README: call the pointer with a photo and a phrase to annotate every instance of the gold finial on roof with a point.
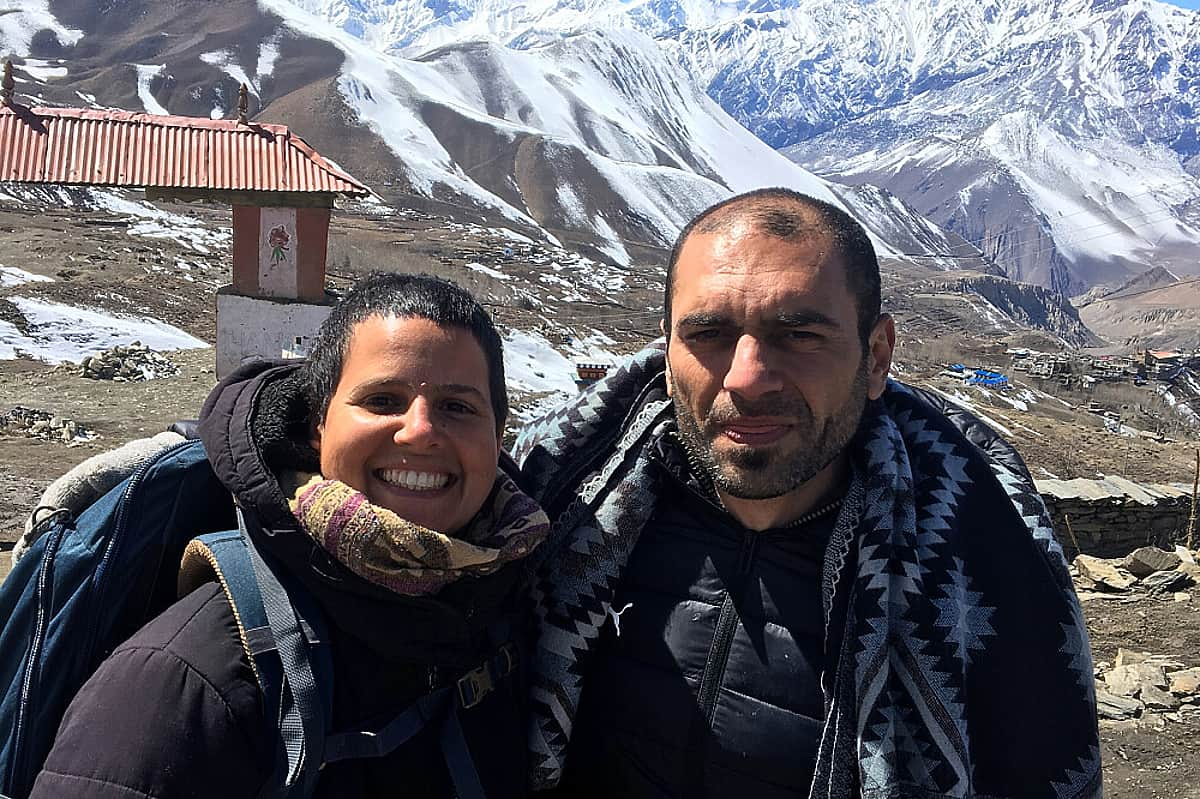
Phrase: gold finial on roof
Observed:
(7, 84)
(243, 104)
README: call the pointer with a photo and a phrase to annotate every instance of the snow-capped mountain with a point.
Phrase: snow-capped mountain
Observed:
(600, 138)
(1061, 136)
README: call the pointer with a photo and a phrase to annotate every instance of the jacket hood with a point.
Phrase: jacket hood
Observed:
(256, 424)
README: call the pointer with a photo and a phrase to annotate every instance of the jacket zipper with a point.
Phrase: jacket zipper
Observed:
(114, 544)
(37, 639)
(718, 652)
(715, 665)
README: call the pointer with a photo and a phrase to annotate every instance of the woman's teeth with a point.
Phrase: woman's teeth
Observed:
(414, 481)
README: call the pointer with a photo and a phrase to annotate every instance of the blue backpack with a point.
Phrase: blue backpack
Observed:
(88, 584)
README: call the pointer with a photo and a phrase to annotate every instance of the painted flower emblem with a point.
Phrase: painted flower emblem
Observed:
(278, 238)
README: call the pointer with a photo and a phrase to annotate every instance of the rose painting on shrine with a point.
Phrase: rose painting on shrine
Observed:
(277, 246)
(278, 239)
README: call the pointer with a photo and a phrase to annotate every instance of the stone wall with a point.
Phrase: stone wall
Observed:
(1114, 527)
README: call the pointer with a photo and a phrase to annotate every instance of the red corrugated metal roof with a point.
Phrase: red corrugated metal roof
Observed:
(121, 148)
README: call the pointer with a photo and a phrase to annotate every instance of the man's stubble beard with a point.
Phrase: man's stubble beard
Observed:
(768, 472)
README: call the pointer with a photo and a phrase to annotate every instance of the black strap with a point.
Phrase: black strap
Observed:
(382, 742)
(302, 717)
(302, 713)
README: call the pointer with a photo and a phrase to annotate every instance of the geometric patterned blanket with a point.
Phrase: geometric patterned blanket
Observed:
(963, 668)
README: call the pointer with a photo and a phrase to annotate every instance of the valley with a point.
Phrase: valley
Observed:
(130, 262)
(1029, 174)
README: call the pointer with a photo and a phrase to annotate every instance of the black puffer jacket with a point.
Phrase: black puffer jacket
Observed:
(712, 685)
(176, 711)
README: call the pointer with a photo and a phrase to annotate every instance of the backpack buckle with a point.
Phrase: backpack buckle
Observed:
(475, 685)
(479, 682)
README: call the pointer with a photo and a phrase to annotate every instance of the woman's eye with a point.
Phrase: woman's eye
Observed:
(459, 407)
(384, 403)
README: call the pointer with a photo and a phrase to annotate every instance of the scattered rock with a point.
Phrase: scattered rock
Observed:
(1155, 698)
(1103, 573)
(1127, 657)
(1116, 707)
(1185, 681)
(1185, 554)
(126, 364)
(1130, 680)
(35, 423)
(1145, 561)
(1166, 582)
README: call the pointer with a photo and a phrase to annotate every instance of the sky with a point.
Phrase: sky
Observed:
(1192, 4)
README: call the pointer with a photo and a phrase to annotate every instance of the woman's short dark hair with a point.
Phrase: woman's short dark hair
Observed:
(403, 296)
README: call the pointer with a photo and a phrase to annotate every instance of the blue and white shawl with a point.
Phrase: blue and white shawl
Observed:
(964, 669)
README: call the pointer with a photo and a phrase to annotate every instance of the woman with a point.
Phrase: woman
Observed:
(371, 473)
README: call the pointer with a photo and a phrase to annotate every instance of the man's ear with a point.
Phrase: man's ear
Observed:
(881, 346)
(662, 326)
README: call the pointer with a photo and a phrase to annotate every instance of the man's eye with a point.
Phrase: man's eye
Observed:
(801, 335)
(707, 334)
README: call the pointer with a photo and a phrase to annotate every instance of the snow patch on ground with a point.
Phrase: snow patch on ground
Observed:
(65, 334)
(10, 276)
(223, 60)
(41, 70)
(964, 402)
(155, 223)
(146, 73)
(487, 270)
(268, 54)
(19, 24)
(532, 364)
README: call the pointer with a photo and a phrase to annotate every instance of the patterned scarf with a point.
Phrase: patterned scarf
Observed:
(964, 669)
(406, 558)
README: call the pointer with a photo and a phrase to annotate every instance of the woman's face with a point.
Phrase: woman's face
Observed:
(410, 424)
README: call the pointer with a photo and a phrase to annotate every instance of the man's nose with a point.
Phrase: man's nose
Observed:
(417, 425)
(750, 372)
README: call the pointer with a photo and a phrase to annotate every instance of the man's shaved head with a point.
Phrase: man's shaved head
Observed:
(793, 216)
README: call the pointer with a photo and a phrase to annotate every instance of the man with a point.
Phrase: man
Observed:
(774, 572)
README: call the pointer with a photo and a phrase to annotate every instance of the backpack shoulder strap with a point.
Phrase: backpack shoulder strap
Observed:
(283, 635)
(292, 665)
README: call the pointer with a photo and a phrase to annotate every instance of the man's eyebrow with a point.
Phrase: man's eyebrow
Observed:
(703, 319)
(805, 318)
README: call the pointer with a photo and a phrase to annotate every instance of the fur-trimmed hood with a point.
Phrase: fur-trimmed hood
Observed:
(255, 425)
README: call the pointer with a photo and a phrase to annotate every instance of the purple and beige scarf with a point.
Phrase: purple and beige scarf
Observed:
(407, 558)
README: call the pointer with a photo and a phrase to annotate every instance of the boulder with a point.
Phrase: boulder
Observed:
(1130, 680)
(1166, 582)
(1185, 554)
(1116, 707)
(1155, 698)
(1185, 681)
(1103, 573)
(1145, 561)
(1126, 657)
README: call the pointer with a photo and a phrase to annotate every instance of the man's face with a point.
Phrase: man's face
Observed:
(410, 424)
(765, 365)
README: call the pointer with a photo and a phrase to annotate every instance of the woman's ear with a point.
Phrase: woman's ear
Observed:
(314, 437)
